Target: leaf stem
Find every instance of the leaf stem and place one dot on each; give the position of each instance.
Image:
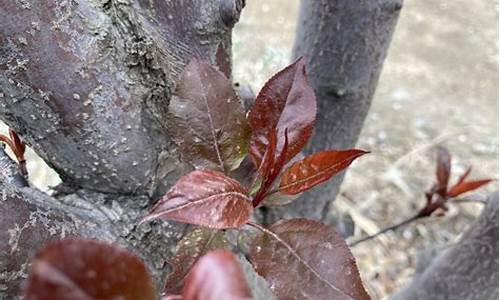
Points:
(294, 253)
(254, 180)
(390, 228)
(271, 192)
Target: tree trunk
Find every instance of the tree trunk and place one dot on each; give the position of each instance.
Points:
(467, 270)
(87, 83)
(345, 44)
(30, 218)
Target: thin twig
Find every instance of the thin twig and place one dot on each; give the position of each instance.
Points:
(439, 203)
(363, 222)
(271, 192)
(390, 228)
(254, 180)
(468, 201)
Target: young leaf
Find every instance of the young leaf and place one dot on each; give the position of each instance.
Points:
(215, 276)
(193, 246)
(19, 150)
(464, 176)
(315, 169)
(207, 120)
(277, 198)
(80, 269)
(286, 101)
(305, 259)
(443, 170)
(466, 186)
(273, 172)
(19, 145)
(269, 157)
(205, 198)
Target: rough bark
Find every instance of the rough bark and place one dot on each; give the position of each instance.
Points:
(466, 270)
(345, 43)
(30, 218)
(87, 85)
(92, 79)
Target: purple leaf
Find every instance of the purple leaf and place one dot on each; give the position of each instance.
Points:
(286, 101)
(80, 269)
(305, 259)
(207, 119)
(193, 245)
(443, 170)
(216, 276)
(205, 198)
(315, 169)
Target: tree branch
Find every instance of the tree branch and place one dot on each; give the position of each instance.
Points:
(30, 218)
(91, 80)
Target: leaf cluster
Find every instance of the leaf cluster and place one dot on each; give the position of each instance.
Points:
(215, 135)
(440, 193)
(299, 258)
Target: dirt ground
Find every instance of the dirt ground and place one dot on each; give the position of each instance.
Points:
(439, 86)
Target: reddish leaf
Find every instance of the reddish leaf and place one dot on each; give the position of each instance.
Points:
(277, 198)
(311, 261)
(267, 162)
(19, 145)
(286, 101)
(215, 276)
(192, 246)
(207, 120)
(79, 269)
(443, 170)
(274, 171)
(466, 186)
(464, 176)
(280, 160)
(205, 198)
(7, 141)
(19, 149)
(315, 169)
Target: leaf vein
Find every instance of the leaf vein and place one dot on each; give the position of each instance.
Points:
(297, 256)
(197, 201)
